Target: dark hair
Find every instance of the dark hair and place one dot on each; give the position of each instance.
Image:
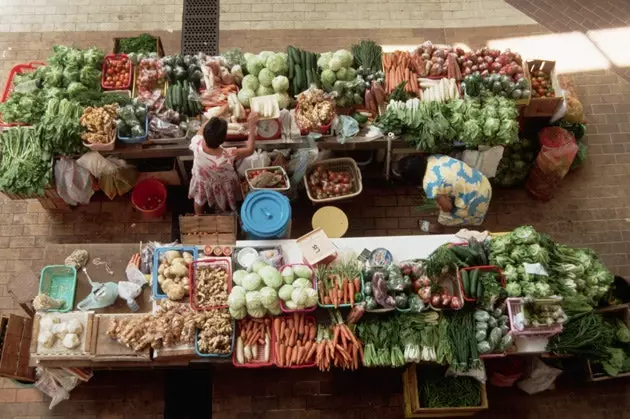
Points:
(214, 132)
(412, 169)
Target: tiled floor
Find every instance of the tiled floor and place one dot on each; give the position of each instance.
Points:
(592, 208)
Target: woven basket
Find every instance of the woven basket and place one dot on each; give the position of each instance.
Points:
(345, 164)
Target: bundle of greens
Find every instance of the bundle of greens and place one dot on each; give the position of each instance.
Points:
(444, 352)
(619, 360)
(439, 391)
(588, 336)
(517, 161)
(142, 44)
(566, 271)
(74, 70)
(26, 108)
(381, 343)
(26, 162)
(461, 334)
(62, 128)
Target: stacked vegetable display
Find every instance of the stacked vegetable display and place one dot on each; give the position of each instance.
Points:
(266, 75)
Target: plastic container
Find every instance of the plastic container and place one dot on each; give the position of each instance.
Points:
(103, 146)
(321, 129)
(260, 352)
(157, 292)
(320, 304)
(345, 164)
(266, 215)
(59, 282)
(489, 268)
(106, 64)
(278, 168)
(137, 140)
(515, 306)
(283, 306)
(223, 263)
(274, 339)
(146, 191)
(205, 355)
(558, 150)
(9, 85)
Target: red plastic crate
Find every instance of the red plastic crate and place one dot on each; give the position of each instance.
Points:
(274, 339)
(105, 68)
(224, 263)
(8, 87)
(488, 268)
(260, 353)
(283, 306)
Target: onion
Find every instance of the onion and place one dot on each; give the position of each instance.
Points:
(480, 60)
(456, 303)
(467, 71)
(488, 59)
(468, 63)
(425, 56)
(440, 60)
(436, 301)
(483, 67)
(474, 68)
(485, 73)
(496, 66)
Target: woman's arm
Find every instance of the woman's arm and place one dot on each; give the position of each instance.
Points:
(445, 203)
(249, 148)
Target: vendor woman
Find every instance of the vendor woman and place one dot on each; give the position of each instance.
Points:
(214, 179)
(462, 193)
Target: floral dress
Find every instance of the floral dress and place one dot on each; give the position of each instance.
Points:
(214, 180)
(469, 188)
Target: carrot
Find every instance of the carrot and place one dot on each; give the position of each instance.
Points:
(282, 328)
(301, 327)
(296, 320)
(293, 336)
(312, 332)
(287, 359)
(295, 354)
(320, 351)
(327, 300)
(351, 292)
(343, 352)
(355, 357)
(320, 290)
(357, 284)
(276, 326)
(313, 348)
(336, 332)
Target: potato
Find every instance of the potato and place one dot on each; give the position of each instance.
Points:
(168, 273)
(178, 261)
(170, 255)
(188, 258)
(178, 270)
(161, 278)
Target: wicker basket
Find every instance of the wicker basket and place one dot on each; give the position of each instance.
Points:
(279, 168)
(342, 164)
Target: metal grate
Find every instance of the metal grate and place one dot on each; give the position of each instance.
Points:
(200, 27)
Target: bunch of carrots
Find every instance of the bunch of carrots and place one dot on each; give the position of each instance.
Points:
(254, 333)
(342, 349)
(217, 96)
(399, 67)
(294, 340)
(339, 284)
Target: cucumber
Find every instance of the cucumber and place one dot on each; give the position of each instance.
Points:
(167, 99)
(290, 60)
(463, 253)
(299, 77)
(175, 96)
(303, 59)
(479, 291)
(293, 52)
(473, 283)
(465, 282)
(309, 77)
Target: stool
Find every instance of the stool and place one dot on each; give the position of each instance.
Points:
(332, 220)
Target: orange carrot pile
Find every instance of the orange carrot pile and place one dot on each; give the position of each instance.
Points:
(294, 340)
(399, 67)
(342, 349)
(254, 342)
(336, 289)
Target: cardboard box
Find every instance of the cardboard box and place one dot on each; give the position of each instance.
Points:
(544, 106)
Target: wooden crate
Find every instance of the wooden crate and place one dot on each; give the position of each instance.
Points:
(524, 102)
(158, 48)
(412, 400)
(83, 352)
(15, 355)
(595, 372)
(544, 106)
(208, 229)
(105, 348)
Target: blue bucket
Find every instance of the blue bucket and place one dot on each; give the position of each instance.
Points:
(266, 215)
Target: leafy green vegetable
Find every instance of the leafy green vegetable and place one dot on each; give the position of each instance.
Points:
(27, 108)
(142, 44)
(26, 161)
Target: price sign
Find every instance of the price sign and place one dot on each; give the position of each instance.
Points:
(316, 247)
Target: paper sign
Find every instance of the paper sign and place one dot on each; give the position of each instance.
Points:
(316, 246)
(535, 269)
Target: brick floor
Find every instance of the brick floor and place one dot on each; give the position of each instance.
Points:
(592, 209)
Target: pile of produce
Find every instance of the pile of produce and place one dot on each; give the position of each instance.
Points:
(180, 68)
(210, 285)
(339, 283)
(216, 72)
(315, 110)
(173, 274)
(367, 56)
(518, 159)
(482, 285)
(266, 75)
(433, 126)
(183, 98)
(297, 293)
(337, 346)
(150, 82)
(498, 85)
(267, 178)
(65, 334)
(259, 292)
(174, 324)
(382, 343)
(235, 57)
(438, 391)
(330, 183)
(294, 340)
(435, 61)
(491, 327)
(132, 120)
(99, 124)
(141, 44)
(488, 61)
(117, 72)
(170, 124)
(386, 288)
(401, 68)
(253, 345)
(462, 336)
(539, 313)
(62, 127)
(541, 84)
(566, 271)
(441, 90)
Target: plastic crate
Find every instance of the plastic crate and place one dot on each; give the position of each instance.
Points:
(488, 268)
(224, 263)
(157, 294)
(515, 307)
(106, 67)
(345, 164)
(205, 355)
(8, 87)
(454, 290)
(59, 282)
(283, 306)
(260, 352)
(280, 168)
(137, 140)
(274, 340)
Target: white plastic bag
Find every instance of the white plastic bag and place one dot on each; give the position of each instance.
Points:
(56, 383)
(257, 160)
(74, 183)
(96, 164)
(539, 377)
(486, 160)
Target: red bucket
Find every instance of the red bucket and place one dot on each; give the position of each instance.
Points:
(149, 197)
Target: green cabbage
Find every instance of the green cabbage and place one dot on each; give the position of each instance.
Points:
(324, 60)
(283, 100)
(265, 77)
(276, 64)
(285, 292)
(311, 297)
(303, 271)
(335, 64)
(250, 82)
(513, 289)
(258, 265)
(244, 95)
(236, 299)
(288, 276)
(252, 282)
(280, 84)
(270, 276)
(299, 297)
(344, 57)
(257, 312)
(264, 91)
(302, 283)
(524, 235)
(268, 296)
(237, 276)
(328, 78)
(238, 313)
(255, 65)
(274, 309)
(253, 300)
(342, 74)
